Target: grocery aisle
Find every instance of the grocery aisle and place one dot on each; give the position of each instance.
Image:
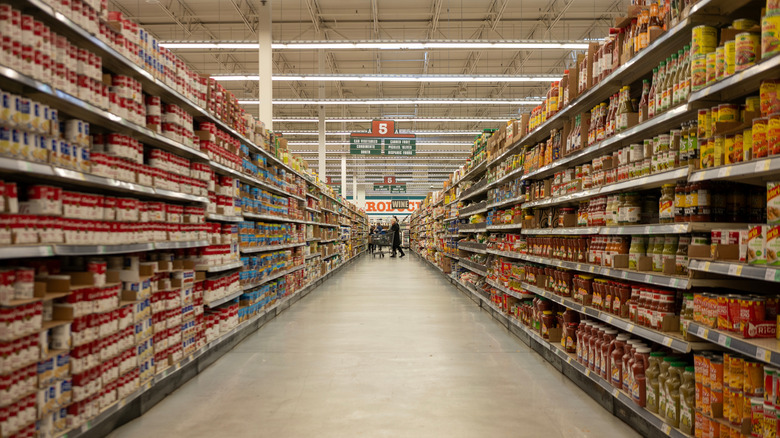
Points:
(387, 347)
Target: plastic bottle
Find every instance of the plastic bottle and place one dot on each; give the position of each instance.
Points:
(687, 400)
(671, 75)
(673, 393)
(660, 88)
(639, 380)
(607, 345)
(643, 101)
(652, 373)
(663, 376)
(616, 357)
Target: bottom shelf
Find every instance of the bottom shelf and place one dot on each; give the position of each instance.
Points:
(154, 390)
(614, 400)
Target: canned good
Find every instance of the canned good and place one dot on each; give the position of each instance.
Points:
(711, 68)
(747, 144)
(728, 112)
(773, 134)
(744, 24)
(768, 97)
(704, 124)
(770, 35)
(729, 57)
(753, 104)
(705, 40)
(698, 72)
(748, 45)
(720, 63)
(739, 155)
(731, 153)
(760, 126)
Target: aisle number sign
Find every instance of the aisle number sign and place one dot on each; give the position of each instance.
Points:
(382, 139)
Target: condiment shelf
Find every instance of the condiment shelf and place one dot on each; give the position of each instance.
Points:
(641, 183)
(511, 201)
(750, 171)
(72, 177)
(475, 172)
(620, 404)
(220, 268)
(516, 173)
(479, 248)
(223, 218)
(268, 217)
(737, 269)
(181, 245)
(518, 295)
(223, 300)
(474, 267)
(739, 84)
(475, 191)
(164, 382)
(627, 230)
(273, 276)
(271, 247)
(561, 231)
(763, 349)
(673, 340)
(505, 227)
(677, 282)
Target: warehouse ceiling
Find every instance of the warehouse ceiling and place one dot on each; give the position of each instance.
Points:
(441, 136)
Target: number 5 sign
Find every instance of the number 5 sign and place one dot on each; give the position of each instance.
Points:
(389, 180)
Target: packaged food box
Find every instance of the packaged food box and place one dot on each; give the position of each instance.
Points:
(773, 202)
(773, 246)
(756, 252)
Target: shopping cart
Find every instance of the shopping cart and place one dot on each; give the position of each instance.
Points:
(380, 240)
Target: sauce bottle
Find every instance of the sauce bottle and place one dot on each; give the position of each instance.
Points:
(643, 101)
(663, 376)
(639, 380)
(652, 373)
(673, 393)
(651, 95)
(616, 358)
(629, 370)
(687, 400)
(607, 345)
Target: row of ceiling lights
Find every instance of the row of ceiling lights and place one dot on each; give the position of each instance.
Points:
(382, 45)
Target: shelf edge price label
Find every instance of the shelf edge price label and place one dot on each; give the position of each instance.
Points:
(668, 341)
(666, 429)
(763, 165)
(772, 274)
(701, 332)
(724, 172)
(615, 392)
(762, 354)
(722, 339)
(735, 270)
(630, 328)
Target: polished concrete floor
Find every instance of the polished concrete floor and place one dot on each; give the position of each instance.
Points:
(385, 348)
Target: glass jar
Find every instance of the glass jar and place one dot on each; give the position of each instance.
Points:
(679, 202)
(631, 212)
(638, 248)
(670, 250)
(658, 253)
(666, 206)
(681, 259)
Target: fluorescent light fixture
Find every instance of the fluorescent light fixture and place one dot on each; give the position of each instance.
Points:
(530, 102)
(401, 119)
(393, 78)
(383, 45)
(453, 133)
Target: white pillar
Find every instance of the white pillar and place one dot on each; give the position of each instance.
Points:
(344, 175)
(354, 186)
(322, 150)
(265, 84)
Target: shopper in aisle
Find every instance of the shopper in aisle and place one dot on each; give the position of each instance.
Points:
(371, 235)
(396, 230)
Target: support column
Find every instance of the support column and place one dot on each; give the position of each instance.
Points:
(344, 175)
(354, 185)
(265, 83)
(322, 149)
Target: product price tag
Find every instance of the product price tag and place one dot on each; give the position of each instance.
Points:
(772, 274)
(648, 229)
(722, 339)
(667, 341)
(648, 278)
(701, 332)
(764, 355)
(630, 328)
(609, 320)
(763, 165)
(587, 372)
(724, 172)
(615, 392)
(666, 428)
(624, 274)
(706, 266)
(568, 360)
(735, 270)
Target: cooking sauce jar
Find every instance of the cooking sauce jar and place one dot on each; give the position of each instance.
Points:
(641, 362)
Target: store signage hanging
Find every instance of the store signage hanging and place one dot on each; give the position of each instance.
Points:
(382, 138)
(379, 206)
(399, 204)
(390, 180)
(391, 188)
